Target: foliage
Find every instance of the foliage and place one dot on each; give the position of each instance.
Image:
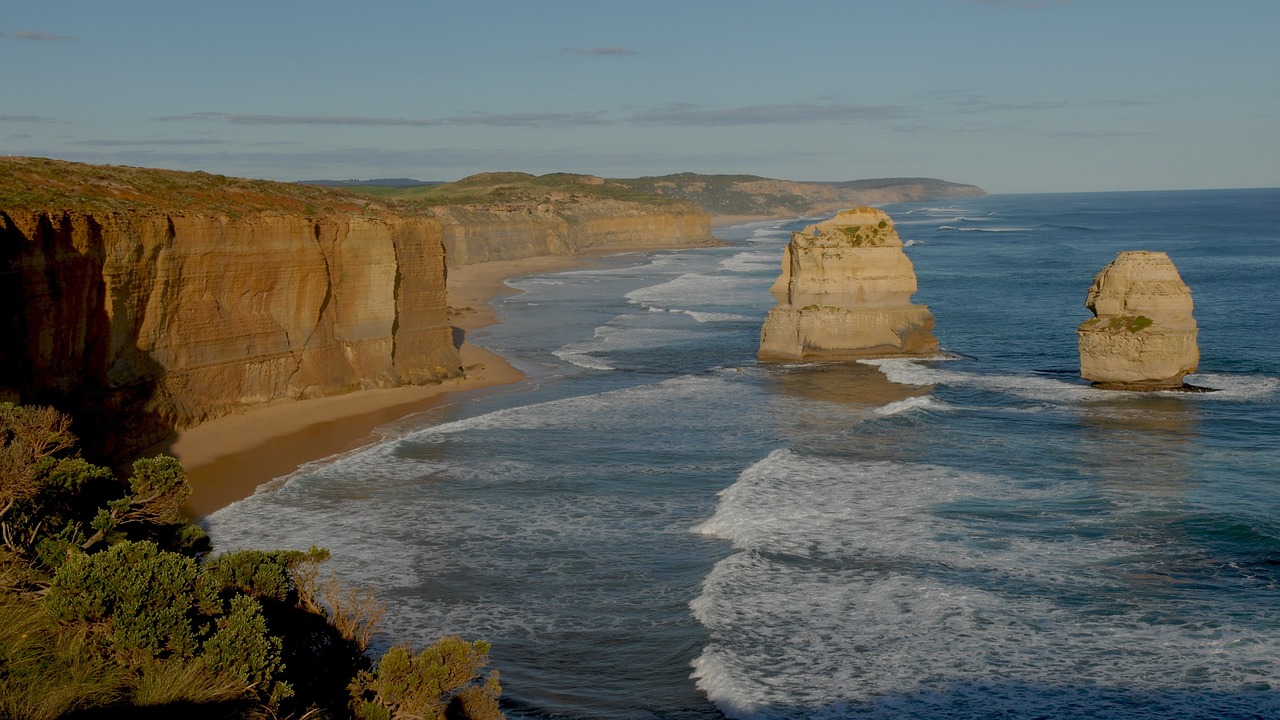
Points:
(444, 677)
(1119, 323)
(28, 183)
(242, 649)
(147, 600)
(46, 672)
(108, 602)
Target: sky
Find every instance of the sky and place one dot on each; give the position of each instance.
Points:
(1010, 95)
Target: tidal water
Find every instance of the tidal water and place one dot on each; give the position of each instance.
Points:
(654, 525)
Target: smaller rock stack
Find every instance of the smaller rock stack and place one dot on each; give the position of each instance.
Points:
(1143, 336)
(845, 293)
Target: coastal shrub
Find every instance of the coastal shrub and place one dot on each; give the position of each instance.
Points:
(261, 574)
(109, 602)
(145, 600)
(243, 651)
(444, 680)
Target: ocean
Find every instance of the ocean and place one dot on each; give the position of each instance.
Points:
(654, 525)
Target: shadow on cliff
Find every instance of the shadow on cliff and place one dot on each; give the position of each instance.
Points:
(58, 349)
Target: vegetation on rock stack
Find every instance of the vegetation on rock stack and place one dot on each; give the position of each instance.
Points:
(112, 604)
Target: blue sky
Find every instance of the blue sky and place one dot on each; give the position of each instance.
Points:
(1011, 95)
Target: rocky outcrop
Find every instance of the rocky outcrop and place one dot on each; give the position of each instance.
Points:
(844, 293)
(1143, 336)
(154, 321)
(511, 231)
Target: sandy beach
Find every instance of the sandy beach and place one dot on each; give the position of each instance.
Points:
(230, 457)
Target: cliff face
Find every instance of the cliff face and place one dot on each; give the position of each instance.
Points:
(844, 293)
(1143, 335)
(161, 320)
(144, 301)
(481, 233)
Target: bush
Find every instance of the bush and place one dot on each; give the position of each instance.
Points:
(446, 676)
(146, 599)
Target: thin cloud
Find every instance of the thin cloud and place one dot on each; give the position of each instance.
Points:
(531, 120)
(41, 36)
(603, 51)
(694, 115)
(1022, 4)
(11, 117)
(155, 142)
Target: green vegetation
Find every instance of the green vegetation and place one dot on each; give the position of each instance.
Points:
(1120, 323)
(43, 184)
(110, 601)
(514, 187)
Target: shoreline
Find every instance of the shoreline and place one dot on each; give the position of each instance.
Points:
(228, 458)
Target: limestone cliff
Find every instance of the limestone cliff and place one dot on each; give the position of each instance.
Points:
(844, 293)
(122, 302)
(152, 300)
(480, 233)
(1143, 335)
(509, 216)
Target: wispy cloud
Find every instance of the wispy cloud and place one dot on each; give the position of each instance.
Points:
(1024, 4)
(152, 142)
(798, 114)
(608, 50)
(531, 120)
(12, 117)
(1095, 134)
(41, 36)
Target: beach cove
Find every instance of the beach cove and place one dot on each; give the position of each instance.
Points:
(655, 524)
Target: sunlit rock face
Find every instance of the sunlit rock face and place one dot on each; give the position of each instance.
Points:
(844, 294)
(1143, 336)
(154, 321)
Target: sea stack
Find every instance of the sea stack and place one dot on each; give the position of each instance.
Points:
(1143, 336)
(845, 294)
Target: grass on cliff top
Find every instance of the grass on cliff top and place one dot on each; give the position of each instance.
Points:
(515, 187)
(39, 183)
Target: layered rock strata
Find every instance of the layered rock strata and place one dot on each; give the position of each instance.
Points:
(149, 321)
(844, 293)
(1142, 335)
(482, 233)
(144, 301)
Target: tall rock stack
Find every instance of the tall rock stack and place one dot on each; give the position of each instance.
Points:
(845, 293)
(1143, 336)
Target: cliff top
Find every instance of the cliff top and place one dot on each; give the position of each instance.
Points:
(754, 195)
(35, 183)
(517, 187)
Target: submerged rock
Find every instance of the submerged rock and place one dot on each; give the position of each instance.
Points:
(1143, 336)
(844, 293)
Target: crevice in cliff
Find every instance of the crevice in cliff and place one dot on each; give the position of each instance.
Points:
(395, 304)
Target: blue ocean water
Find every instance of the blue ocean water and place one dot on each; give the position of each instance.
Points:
(654, 525)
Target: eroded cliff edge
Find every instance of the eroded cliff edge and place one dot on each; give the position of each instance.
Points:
(148, 301)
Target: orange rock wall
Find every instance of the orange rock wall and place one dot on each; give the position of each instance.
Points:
(475, 234)
(165, 320)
